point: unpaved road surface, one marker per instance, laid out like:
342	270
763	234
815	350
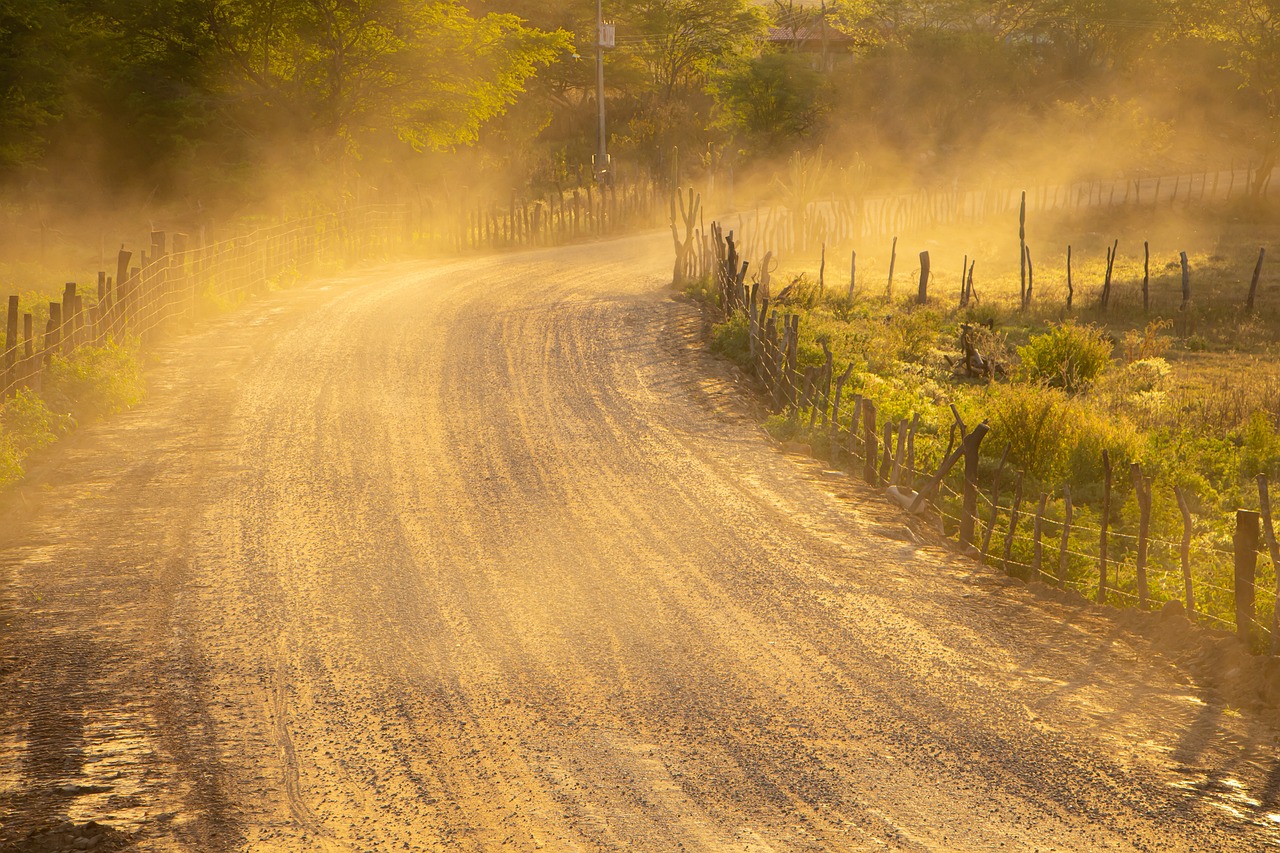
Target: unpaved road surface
487	556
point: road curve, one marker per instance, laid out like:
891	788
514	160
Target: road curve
485	555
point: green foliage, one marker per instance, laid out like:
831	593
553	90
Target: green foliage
26	425
95	380
731	339
1259	448
29	424
1068	356
771	101
91	382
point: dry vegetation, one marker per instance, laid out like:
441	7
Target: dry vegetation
1192	394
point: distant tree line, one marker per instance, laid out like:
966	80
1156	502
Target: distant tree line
229	101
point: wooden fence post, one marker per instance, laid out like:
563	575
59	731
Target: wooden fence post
893	259
1142	491
28	348
66	337
1066	534
1245	545
1269	532
1038	552
1146	276
1188	590
995	500
1022	251
1070	289
10	343
886	456
1186	279
1031	280
922	295
1013	523
1253	283
969	505
869	442
53	332
1106	518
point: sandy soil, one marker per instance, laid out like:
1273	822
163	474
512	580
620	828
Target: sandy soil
488	555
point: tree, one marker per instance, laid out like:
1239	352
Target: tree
34	42
770	102
1248	32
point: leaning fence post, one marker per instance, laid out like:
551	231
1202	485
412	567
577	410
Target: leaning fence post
1106	517
1268	531
1245	545
1189	590
1253	284
922	295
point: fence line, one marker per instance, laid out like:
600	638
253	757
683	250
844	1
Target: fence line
168	281
885	454
833	221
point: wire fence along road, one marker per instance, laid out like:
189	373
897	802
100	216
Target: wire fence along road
173	278
1037	539
832	221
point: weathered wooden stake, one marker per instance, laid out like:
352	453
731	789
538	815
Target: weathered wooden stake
1189	592
1146	276
1245	545
922	295
1106	519
853	272
1186	279
1269	533
1070	290
1065	543
1142	491
869	442
1013	523
886	456
1031	277
893	260
1022	250
1038	552
995	500
10	342
1257	274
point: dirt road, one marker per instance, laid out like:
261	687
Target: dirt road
486	556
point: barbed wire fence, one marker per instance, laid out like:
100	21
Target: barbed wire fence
1100	553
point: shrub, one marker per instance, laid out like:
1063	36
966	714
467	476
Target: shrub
1054	437
731	339
1259	448
95	380
1031	419
1148	343
1068	356
29	424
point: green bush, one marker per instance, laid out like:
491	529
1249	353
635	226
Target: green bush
1259	448
1068	356
1054	437
95	380
731	339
